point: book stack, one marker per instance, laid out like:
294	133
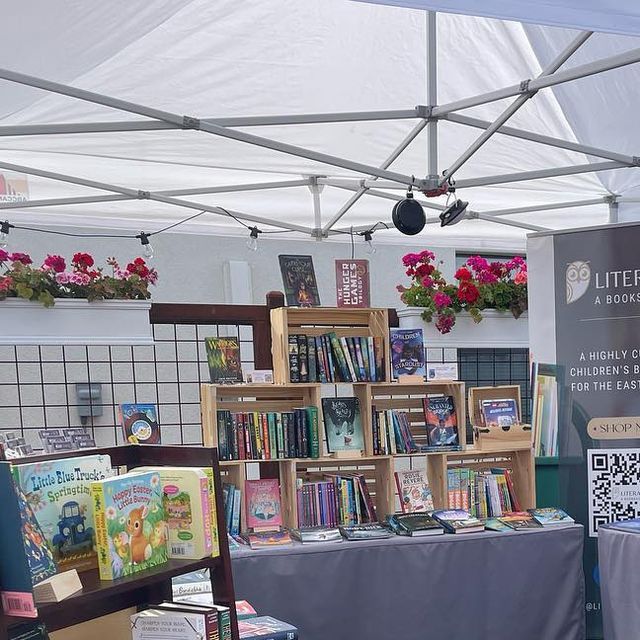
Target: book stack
268	435
232	498
392	433
458	521
329	358
414	524
341	499
485	494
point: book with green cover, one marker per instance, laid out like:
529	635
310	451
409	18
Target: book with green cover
314	432
223	357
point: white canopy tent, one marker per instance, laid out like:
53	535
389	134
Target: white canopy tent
148	114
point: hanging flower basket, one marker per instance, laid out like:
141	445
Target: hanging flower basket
498	330
78	304
107	322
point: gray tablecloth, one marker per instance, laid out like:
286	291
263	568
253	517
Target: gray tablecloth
489	586
619	561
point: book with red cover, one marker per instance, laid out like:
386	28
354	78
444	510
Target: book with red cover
263	506
352	283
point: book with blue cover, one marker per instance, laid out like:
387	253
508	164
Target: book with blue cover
553	517
266	628
407	352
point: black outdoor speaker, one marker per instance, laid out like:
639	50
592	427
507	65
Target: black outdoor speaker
408	216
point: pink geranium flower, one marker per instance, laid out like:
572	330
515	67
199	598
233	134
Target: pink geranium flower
441	300
22	258
521	277
56	263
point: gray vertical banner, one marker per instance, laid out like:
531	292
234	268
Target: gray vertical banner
597	344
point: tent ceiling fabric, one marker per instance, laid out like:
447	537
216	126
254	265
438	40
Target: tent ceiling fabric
224	58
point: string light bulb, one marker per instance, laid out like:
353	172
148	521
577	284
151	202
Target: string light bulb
147	248
252	241
368	239
5	227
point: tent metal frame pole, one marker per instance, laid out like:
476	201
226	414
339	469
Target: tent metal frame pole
393	156
510	223
52	202
190	122
540	174
526	86
390	196
238	121
546	207
542	139
316	189
517	104
613	209
432	92
140	194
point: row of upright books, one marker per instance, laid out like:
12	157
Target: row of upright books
341	499
485	493
329	358
268	435
392	432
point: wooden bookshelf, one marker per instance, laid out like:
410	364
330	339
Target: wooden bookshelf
318	320
408	397
518	460
99	598
252	397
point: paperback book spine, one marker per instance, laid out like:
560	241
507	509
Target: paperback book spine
352	377
102	536
303	356
294	359
314	432
313	359
322	364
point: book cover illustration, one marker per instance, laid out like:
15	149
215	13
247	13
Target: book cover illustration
59	493
519	520
264	539
493	524
457	520
223	357
551	517
187	506
414	491
407	352
418	523
343	424
441	421
130	524
299	281
266	627
140	423
352	283
263	506
500	414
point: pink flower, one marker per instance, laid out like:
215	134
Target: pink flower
477	263
79	278
63	278
22	258
486	277
4	256
56	263
427	282
411	260
5	283
445	323
517	262
427	255
441	299
521	277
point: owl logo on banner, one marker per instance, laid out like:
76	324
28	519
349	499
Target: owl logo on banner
578	278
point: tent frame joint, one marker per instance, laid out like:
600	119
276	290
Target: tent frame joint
144	195
189	122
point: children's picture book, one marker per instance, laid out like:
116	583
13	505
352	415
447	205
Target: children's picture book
500	414
407	352
493	524
130	524
458	521
187	507
299	281
519	520
263	506
415	524
352	283
551	517
440	418
26	559
140	423
343	424
413	491
223	357
59	493
264	539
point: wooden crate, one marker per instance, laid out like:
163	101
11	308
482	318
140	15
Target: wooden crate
408	397
319	320
253	397
519	460
517	436
377	470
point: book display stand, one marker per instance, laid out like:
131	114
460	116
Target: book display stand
378	470
100	598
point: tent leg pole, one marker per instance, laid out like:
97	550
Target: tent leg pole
315	189
613	209
432	93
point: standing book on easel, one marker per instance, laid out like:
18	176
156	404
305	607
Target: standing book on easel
343	424
299	280
223	357
263	508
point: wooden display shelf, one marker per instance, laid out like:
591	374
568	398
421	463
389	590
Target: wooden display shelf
518	459
408	397
252	397
318	320
99	598
377	470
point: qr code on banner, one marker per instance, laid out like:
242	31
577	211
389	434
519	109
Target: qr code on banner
613	486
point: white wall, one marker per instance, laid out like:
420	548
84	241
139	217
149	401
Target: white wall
192	267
